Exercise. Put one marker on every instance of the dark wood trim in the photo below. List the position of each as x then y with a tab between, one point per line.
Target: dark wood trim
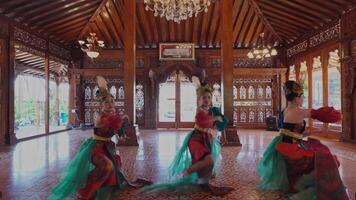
130	57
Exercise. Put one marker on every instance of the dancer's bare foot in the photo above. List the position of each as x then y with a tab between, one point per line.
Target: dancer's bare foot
185	173
138	183
217	191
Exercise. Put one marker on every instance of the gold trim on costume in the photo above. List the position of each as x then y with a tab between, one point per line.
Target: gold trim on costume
291	133
97	137
211	131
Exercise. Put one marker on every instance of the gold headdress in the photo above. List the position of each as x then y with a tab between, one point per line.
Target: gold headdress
201	88
103	91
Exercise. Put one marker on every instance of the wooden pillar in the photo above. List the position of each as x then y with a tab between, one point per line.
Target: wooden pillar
4	124
46	92
72	105
129	57
227	69
324	70
130	69
10	137
309	63
56	103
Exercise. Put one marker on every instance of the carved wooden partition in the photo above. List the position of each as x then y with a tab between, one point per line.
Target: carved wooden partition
252	101
92	104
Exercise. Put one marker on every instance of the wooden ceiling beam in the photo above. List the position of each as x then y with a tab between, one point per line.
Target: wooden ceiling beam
153	25
256	34
180	30
240	19
139	36
246	41
8	6
23	68
316	7
41	9
22	55
172	32
214	24
143	21
246	26
94	27
217	35
237	7
92	18
164	29
187	30
288	35
68	36
59	13
302	15
51	29
204	28
159	28
331	5
195	30
143	36
59	23
108	21
290	16
28	8
303	10
75	15
292	23
288	26
264	19
104	29
113	12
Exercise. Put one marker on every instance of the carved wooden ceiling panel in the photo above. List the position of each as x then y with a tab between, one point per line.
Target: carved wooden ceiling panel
282	21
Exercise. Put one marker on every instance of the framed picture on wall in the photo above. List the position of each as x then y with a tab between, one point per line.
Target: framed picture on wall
176	51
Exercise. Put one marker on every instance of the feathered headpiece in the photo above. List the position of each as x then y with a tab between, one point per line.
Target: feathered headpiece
201	87
103	91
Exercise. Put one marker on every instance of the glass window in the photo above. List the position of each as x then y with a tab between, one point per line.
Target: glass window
334	85
317	79
304	82
216	98
29	105
188	99
167	99
334	80
58	96
292	75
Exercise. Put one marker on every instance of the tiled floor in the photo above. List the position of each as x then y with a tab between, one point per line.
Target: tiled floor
30	169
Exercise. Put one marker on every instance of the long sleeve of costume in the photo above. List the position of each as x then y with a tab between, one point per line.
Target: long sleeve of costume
326	114
220	125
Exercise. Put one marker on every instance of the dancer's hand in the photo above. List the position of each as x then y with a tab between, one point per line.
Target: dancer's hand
218	118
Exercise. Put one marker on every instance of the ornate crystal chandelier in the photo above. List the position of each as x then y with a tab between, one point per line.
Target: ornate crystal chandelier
177	10
92	45
262	51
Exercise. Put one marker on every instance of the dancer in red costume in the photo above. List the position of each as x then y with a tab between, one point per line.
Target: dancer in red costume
95	171
196	160
304	168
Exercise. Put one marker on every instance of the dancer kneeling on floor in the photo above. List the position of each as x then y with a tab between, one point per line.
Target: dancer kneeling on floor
95	171
304	168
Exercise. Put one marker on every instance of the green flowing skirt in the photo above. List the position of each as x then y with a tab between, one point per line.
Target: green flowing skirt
272	168
181	162
76	173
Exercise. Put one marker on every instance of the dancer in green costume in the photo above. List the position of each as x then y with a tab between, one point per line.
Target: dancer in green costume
304	168
95	171
196	160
